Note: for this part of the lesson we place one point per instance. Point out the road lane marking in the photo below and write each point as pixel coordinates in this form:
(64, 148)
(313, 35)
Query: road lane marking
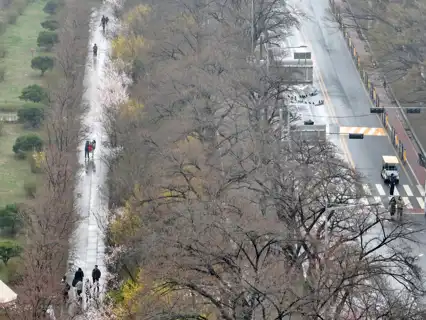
(421, 190)
(407, 203)
(378, 201)
(364, 201)
(348, 155)
(366, 189)
(330, 107)
(365, 130)
(421, 202)
(380, 189)
(395, 192)
(408, 190)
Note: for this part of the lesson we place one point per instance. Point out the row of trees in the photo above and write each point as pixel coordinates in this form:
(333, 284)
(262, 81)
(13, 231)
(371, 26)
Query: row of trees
(213, 215)
(51, 216)
(393, 30)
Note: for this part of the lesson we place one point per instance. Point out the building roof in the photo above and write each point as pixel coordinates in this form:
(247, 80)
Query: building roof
(6, 294)
(390, 159)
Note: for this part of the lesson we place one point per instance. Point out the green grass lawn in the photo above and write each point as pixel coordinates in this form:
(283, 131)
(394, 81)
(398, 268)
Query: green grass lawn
(19, 39)
(13, 173)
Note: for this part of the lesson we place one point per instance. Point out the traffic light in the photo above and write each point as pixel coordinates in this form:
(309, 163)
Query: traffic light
(356, 136)
(377, 110)
(413, 110)
(308, 123)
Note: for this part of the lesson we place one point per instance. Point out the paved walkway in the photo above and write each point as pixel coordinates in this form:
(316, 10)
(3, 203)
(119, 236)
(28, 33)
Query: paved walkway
(92, 203)
(396, 119)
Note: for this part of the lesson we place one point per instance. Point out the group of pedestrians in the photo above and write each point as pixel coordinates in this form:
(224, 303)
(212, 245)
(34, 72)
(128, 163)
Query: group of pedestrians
(104, 23)
(77, 283)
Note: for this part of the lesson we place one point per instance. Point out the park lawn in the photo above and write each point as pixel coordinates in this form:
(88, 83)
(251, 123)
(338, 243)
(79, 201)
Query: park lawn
(18, 40)
(13, 172)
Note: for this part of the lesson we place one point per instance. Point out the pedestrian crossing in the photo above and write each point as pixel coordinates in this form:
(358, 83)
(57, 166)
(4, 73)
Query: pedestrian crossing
(365, 130)
(378, 194)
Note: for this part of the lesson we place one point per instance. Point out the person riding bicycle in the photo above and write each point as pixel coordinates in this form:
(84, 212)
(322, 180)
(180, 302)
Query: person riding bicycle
(95, 50)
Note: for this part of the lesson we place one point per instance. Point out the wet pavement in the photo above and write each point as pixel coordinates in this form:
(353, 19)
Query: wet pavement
(88, 245)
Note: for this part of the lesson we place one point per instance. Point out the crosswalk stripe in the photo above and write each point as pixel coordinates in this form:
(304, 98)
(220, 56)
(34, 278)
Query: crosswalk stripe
(408, 190)
(364, 201)
(366, 189)
(378, 200)
(407, 203)
(421, 190)
(395, 192)
(380, 189)
(421, 202)
(365, 130)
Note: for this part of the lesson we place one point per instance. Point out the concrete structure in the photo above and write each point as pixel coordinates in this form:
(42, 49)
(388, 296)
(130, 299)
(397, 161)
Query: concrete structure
(7, 295)
(296, 65)
(309, 132)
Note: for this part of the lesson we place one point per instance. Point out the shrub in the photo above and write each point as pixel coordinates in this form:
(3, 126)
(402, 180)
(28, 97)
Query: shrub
(12, 16)
(47, 39)
(3, 52)
(3, 26)
(10, 219)
(34, 93)
(35, 162)
(2, 74)
(51, 25)
(30, 188)
(31, 116)
(138, 70)
(28, 142)
(9, 249)
(51, 7)
(42, 63)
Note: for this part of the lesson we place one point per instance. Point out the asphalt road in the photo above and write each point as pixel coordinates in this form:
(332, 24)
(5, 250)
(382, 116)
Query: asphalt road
(88, 241)
(347, 104)
(346, 96)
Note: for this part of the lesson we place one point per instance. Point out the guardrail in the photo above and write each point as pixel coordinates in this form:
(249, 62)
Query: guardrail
(371, 88)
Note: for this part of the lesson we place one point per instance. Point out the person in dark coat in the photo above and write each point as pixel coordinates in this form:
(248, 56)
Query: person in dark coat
(96, 275)
(78, 276)
(86, 150)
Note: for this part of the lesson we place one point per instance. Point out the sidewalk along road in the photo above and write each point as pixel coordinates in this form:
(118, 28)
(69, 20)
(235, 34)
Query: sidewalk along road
(395, 117)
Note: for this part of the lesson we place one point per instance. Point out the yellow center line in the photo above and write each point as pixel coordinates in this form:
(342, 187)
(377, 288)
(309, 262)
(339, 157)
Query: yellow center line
(331, 110)
(387, 133)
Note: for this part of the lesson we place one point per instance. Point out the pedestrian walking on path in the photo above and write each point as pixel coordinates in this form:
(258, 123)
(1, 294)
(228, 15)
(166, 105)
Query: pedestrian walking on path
(88, 290)
(96, 275)
(78, 276)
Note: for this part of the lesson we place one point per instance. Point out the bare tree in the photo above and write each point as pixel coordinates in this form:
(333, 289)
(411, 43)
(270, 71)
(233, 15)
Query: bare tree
(221, 214)
(52, 216)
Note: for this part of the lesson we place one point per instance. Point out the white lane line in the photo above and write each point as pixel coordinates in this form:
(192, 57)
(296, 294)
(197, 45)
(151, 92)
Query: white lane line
(421, 202)
(378, 201)
(380, 189)
(364, 201)
(395, 192)
(366, 189)
(408, 190)
(407, 203)
(421, 190)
